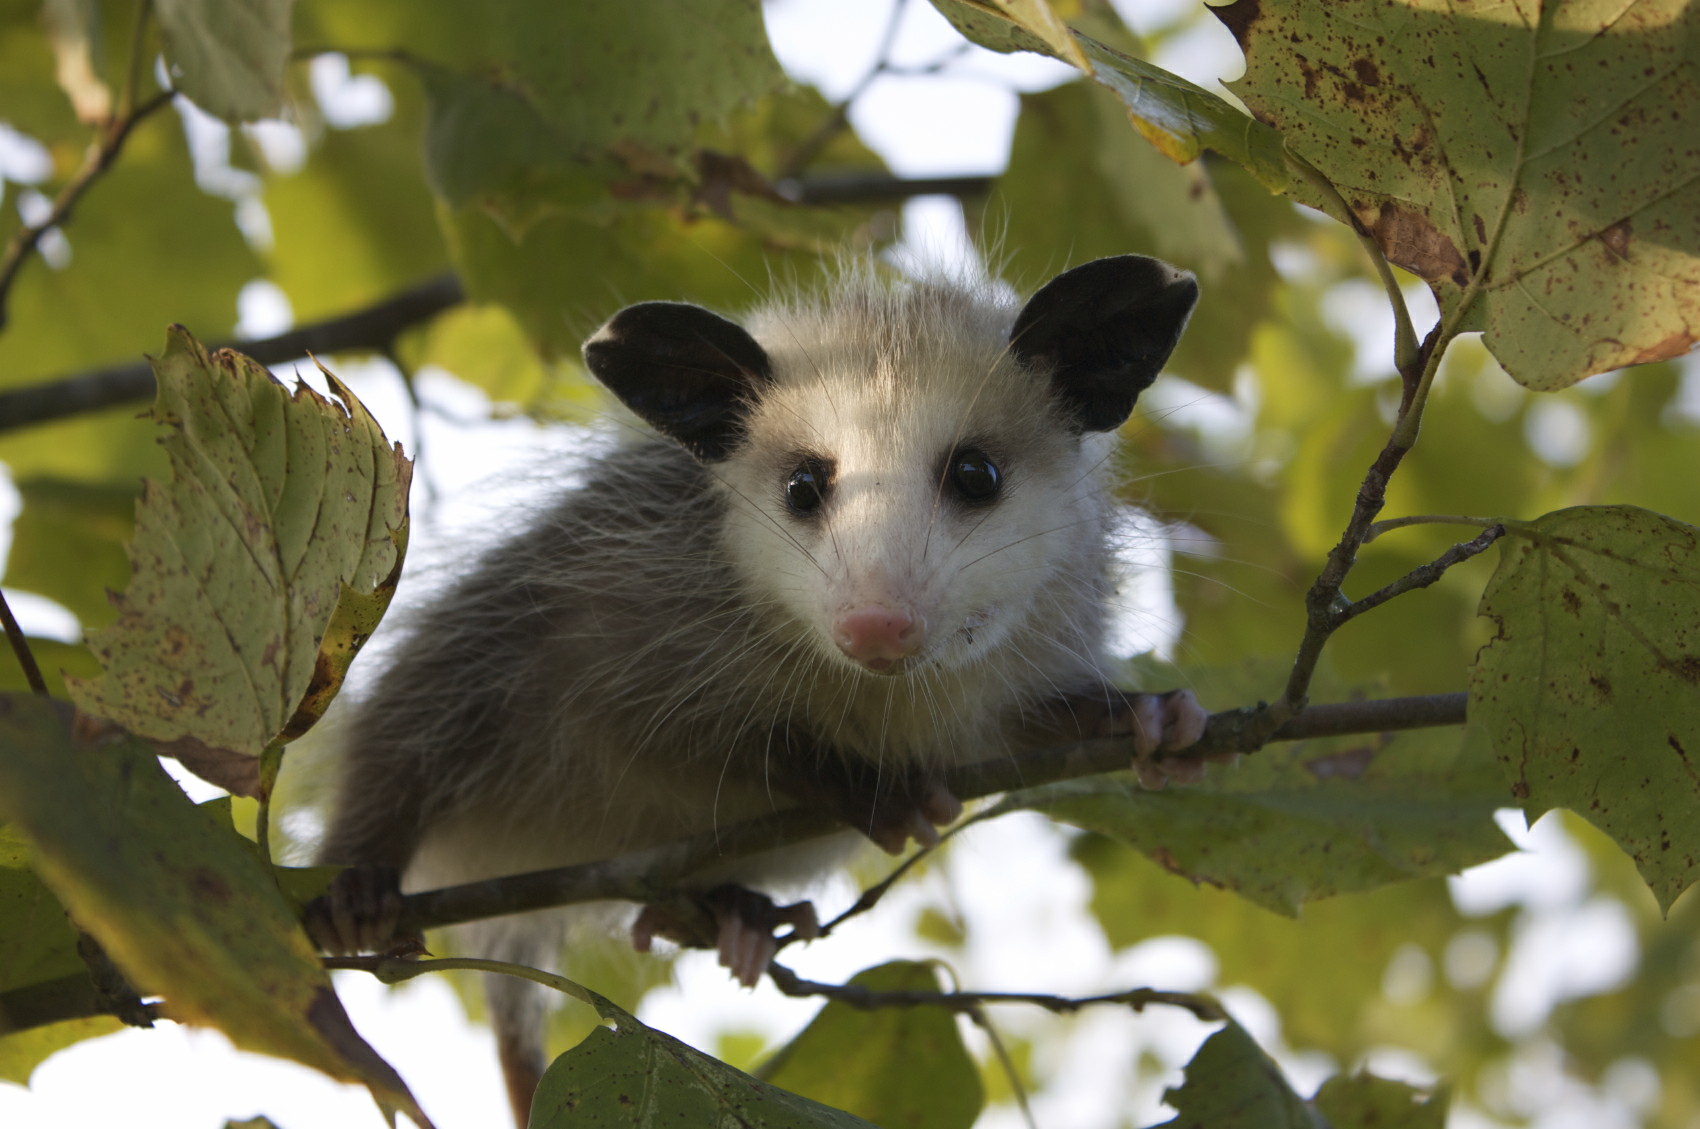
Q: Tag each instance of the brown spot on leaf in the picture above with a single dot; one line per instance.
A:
(1366, 72)
(1571, 601)
(1408, 239)
(208, 885)
(1602, 685)
(235, 772)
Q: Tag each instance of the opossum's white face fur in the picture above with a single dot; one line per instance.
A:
(911, 470)
(905, 487)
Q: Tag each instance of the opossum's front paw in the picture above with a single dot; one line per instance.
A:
(746, 924)
(358, 914)
(894, 818)
(887, 804)
(1159, 724)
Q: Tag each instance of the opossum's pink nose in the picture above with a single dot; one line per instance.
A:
(877, 636)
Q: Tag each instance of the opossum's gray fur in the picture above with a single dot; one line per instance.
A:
(614, 675)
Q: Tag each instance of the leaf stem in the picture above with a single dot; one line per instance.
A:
(393, 971)
(1405, 348)
(271, 760)
(21, 648)
(1380, 527)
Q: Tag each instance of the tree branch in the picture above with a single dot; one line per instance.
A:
(105, 149)
(653, 874)
(868, 999)
(373, 329)
(21, 648)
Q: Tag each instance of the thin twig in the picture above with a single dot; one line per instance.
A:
(1324, 603)
(102, 152)
(21, 648)
(811, 145)
(1424, 575)
(1202, 1006)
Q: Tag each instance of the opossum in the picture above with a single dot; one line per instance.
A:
(865, 541)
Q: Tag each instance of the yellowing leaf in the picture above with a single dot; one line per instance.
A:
(181, 904)
(260, 568)
(1533, 162)
(1591, 685)
(1182, 120)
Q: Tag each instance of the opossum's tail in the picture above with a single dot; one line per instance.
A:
(518, 1008)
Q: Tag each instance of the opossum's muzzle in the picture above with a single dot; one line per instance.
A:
(879, 638)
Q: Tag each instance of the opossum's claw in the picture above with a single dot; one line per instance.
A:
(745, 927)
(1169, 723)
(358, 914)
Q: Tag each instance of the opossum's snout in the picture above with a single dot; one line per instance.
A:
(878, 637)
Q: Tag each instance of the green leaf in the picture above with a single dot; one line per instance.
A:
(1363, 1101)
(1304, 820)
(260, 568)
(22, 1051)
(1180, 119)
(228, 57)
(356, 223)
(897, 1067)
(126, 279)
(35, 105)
(40, 969)
(68, 543)
(1124, 196)
(37, 943)
(55, 660)
(484, 346)
(181, 904)
(1533, 164)
(1345, 942)
(629, 1074)
(639, 255)
(536, 102)
(1589, 685)
(1231, 1084)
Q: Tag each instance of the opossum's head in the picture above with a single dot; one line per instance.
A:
(911, 472)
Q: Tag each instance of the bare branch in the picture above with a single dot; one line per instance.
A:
(373, 329)
(653, 874)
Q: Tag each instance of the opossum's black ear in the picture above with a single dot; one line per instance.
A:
(691, 373)
(1104, 330)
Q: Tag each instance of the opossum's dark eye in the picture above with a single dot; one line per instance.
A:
(808, 486)
(973, 476)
